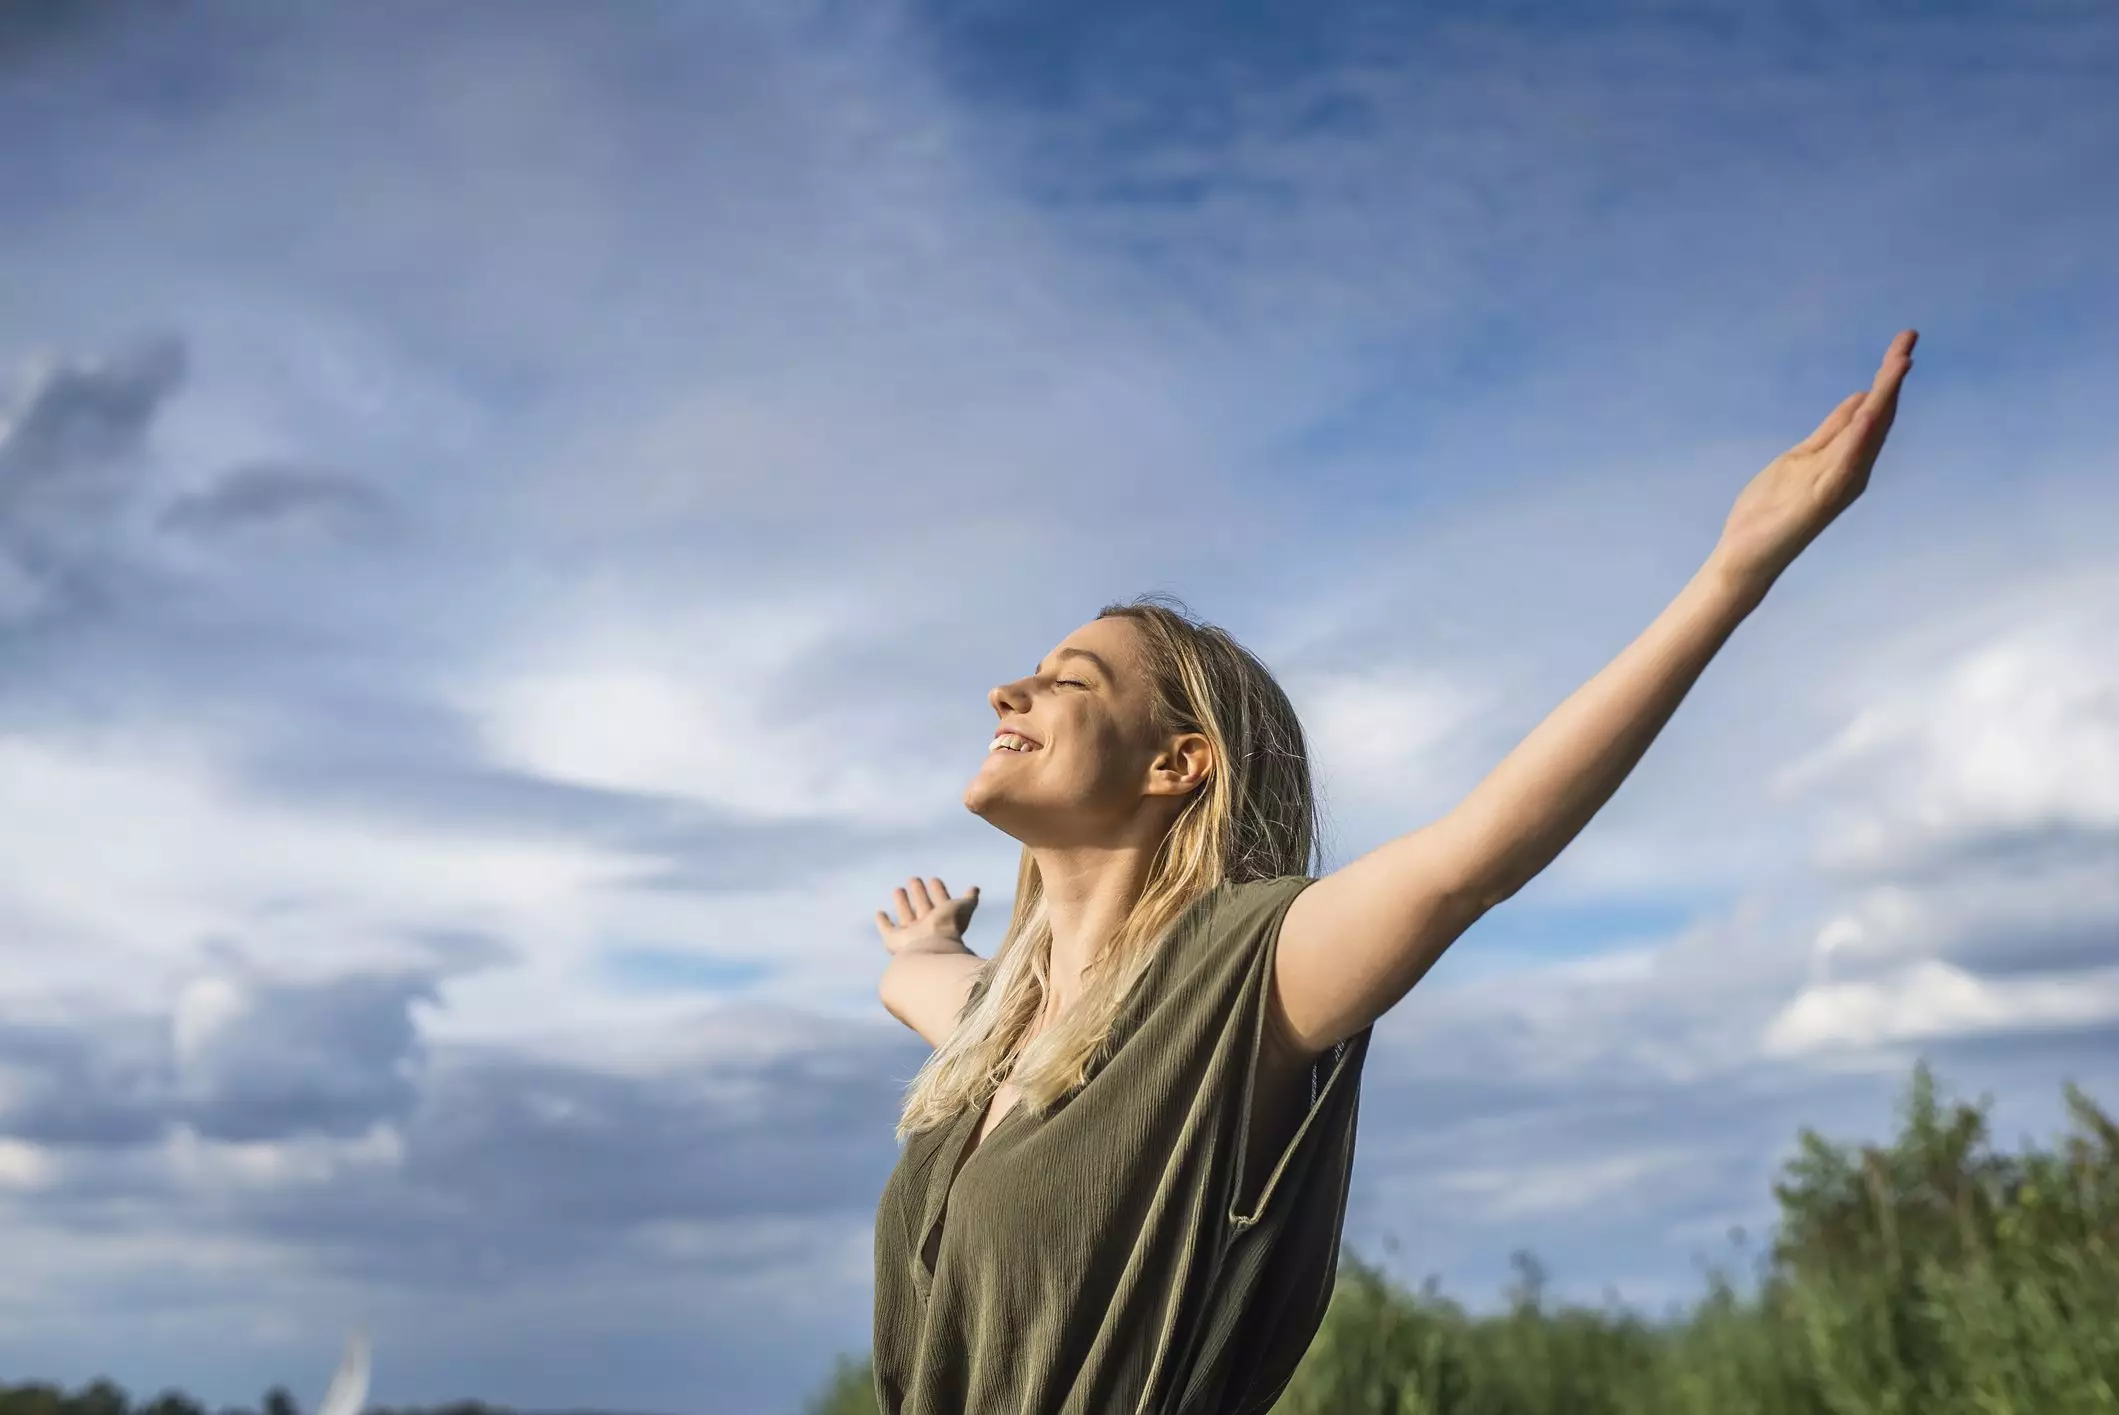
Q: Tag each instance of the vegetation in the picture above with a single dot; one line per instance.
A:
(1929, 1276)
(102, 1397)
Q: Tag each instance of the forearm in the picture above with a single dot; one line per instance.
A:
(1518, 820)
(925, 989)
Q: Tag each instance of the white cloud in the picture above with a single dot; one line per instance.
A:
(1378, 736)
(1931, 1001)
(26, 1166)
(698, 706)
(144, 854)
(1569, 1186)
(2018, 731)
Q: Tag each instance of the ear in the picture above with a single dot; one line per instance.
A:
(1184, 762)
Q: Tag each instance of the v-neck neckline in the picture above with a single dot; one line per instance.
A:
(961, 1156)
(970, 1145)
(973, 1143)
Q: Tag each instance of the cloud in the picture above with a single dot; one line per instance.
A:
(2015, 737)
(261, 1061)
(76, 420)
(274, 500)
(550, 578)
(363, 1156)
(71, 473)
(237, 1059)
(689, 711)
(1511, 1193)
(1928, 1001)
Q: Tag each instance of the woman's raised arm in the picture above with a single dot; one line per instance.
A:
(1356, 941)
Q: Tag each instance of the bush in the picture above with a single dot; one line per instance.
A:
(1929, 1276)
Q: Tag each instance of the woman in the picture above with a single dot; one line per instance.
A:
(1126, 1161)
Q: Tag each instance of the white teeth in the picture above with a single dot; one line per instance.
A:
(1009, 742)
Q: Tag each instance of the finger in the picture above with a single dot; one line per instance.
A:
(920, 895)
(905, 906)
(1892, 371)
(1899, 356)
(1880, 407)
(884, 924)
(941, 890)
(1838, 418)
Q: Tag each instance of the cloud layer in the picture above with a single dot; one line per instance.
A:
(507, 522)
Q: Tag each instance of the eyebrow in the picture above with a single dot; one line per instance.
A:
(1102, 666)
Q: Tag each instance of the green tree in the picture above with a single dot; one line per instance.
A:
(1929, 1275)
(849, 1390)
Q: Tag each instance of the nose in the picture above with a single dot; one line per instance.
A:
(1006, 696)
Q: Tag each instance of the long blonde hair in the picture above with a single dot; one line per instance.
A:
(1253, 818)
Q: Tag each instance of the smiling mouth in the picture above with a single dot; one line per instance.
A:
(1010, 742)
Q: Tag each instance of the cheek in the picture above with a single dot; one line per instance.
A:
(1098, 756)
(1113, 757)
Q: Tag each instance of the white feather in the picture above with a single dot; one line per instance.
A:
(348, 1393)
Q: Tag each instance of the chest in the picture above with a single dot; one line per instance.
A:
(1013, 1196)
(1004, 1100)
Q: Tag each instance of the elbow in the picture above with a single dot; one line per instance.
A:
(1473, 871)
(1478, 901)
(1466, 903)
(891, 991)
(1488, 880)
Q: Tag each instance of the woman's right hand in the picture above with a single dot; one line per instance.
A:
(929, 920)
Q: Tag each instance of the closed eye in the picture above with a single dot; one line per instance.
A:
(1063, 682)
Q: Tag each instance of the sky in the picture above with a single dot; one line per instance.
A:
(509, 515)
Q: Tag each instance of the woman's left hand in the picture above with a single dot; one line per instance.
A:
(1805, 488)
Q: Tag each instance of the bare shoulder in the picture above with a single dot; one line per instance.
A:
(1355, 941)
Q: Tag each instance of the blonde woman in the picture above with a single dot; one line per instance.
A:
(1125, 1164)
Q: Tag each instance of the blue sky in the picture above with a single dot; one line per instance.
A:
(508, 515)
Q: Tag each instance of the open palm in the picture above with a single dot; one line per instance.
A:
(929, 919)
(1801, 491)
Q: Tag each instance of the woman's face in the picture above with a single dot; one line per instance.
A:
(1079, 761)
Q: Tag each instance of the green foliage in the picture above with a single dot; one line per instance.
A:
(851, 1390)
(1929, 1276)
(101, 1397)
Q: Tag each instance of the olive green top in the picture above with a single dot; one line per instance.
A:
(1098, 1258)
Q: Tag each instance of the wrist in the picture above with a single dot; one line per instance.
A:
(1740, 588)
(952, 947)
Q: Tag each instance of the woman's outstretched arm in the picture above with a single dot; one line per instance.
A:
(930, 973)
(1356, 941)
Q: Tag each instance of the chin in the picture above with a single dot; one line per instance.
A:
(994, 808)
(979, 798)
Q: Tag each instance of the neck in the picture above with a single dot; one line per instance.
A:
(1088, 893)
